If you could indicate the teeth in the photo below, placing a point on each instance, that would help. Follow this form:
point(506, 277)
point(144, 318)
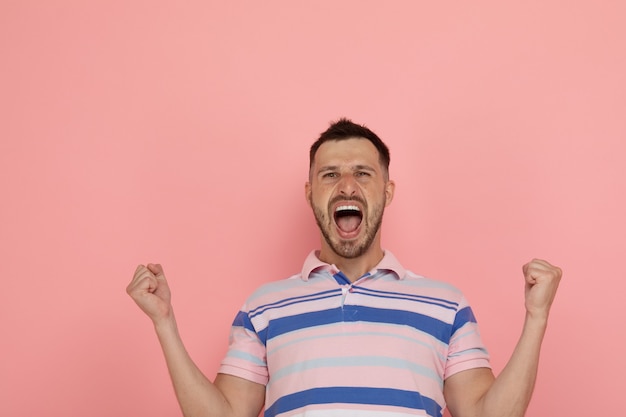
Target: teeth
point(342, 208)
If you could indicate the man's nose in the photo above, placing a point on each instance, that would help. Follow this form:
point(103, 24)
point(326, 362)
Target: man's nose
point(347, 185)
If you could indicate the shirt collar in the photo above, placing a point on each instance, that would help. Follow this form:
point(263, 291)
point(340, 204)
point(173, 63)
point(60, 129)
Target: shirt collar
point(389, 262)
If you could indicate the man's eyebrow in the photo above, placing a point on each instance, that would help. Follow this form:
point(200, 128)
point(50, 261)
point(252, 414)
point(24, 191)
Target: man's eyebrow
point(328, 168)
point(363, 168)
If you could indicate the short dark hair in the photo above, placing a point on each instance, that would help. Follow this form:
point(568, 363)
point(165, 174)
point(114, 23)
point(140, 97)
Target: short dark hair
point(345, 129)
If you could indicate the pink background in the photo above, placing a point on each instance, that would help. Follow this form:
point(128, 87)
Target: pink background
point(177, 132)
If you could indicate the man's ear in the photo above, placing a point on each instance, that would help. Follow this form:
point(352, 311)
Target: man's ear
point(307, 193)
point(390, 188)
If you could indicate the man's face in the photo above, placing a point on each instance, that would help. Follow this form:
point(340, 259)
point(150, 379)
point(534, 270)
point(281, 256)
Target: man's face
point(348, 192)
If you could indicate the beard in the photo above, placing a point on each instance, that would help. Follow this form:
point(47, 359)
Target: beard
point(355, 247)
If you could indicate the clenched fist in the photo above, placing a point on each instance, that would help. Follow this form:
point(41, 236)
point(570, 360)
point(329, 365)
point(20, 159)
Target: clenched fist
point(542, 281)
point(150, 291)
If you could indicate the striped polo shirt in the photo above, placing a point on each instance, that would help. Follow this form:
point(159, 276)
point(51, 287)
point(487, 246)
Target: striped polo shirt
point(379, 347)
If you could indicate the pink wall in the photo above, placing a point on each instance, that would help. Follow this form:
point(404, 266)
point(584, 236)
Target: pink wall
point(178, 132)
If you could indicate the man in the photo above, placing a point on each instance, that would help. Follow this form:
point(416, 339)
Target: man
point(354, 334)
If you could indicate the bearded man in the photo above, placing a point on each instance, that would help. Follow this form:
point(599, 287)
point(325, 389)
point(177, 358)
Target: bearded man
point(354, 333)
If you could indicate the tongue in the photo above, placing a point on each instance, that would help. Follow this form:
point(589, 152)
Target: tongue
point(348, 223)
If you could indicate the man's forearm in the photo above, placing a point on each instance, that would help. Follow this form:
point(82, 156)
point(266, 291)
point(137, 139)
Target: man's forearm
point(511, 392)
point(196, 395)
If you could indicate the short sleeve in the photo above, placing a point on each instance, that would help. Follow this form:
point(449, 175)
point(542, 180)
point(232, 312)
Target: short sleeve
point(466, 349)
point(246, 356)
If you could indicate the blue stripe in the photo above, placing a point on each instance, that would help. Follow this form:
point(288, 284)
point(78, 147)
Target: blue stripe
point(341, 278)
point(349, 313)
point(288, 324)
point(355, 395)
point(243, 320)
point(463, 316)
point(410, 297)
point(295, 300)
point(441, 300)
point(436, 328)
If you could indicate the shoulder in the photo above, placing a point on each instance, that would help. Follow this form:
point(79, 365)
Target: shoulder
point(290, 288)
point(431, 287)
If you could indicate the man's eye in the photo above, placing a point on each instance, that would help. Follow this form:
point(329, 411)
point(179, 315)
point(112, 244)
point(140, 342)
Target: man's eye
point(362, 174)
point(330, 175)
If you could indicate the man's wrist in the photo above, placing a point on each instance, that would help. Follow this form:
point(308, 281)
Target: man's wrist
point(536, 319)
point(165, 324)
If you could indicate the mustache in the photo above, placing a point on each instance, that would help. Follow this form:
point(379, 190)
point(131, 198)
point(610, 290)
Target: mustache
point(340, 198)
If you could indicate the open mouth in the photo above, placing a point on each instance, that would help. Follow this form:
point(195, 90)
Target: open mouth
point(348, 218)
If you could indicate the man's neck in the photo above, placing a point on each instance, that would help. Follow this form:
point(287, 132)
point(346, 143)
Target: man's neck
point(353, 268)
